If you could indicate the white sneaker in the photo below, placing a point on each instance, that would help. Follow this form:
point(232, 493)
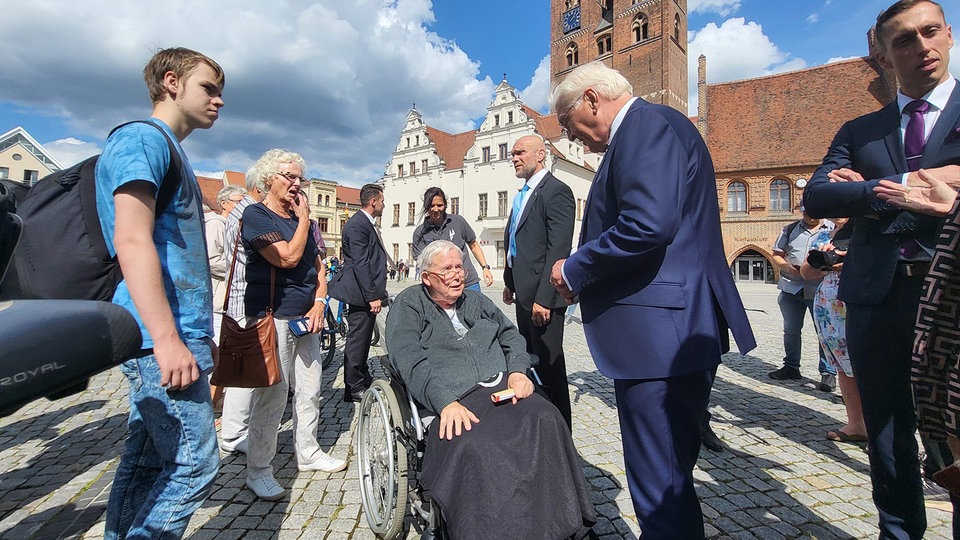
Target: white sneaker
point(236, 447)
point(325, 463)
point(266, 487)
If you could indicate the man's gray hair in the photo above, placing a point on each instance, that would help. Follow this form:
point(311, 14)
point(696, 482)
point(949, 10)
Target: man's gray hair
point(228, 192)
point(267, 166)
point(607, 82)
point(433, 250)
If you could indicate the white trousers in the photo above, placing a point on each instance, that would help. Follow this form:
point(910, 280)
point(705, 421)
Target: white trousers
point(300, 366)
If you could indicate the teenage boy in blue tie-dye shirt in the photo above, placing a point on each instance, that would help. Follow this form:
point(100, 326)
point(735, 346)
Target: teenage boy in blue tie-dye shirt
point(170, 459)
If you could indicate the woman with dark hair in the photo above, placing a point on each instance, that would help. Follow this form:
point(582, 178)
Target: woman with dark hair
point(439, 225)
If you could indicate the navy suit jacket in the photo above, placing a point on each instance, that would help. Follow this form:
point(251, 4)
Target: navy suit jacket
point(656, 294)
point(363, 278)
point(544, 236)
point(872, 146)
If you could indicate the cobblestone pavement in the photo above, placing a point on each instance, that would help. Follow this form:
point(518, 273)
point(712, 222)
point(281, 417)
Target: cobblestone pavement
point(778, 478)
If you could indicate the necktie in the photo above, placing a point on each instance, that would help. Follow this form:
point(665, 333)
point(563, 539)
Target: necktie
point(515, 219)
point(913, 139)
point(913, 142)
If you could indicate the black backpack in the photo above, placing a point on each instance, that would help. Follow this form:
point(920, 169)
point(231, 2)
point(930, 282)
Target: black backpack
point(62, 253)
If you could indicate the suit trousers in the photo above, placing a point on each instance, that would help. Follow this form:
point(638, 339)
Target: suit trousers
point(880, 341)
point(547, 343)
point(356, 373)
point(660, 422)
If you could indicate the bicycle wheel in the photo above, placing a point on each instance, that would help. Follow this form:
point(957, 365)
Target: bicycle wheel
point(331, 341)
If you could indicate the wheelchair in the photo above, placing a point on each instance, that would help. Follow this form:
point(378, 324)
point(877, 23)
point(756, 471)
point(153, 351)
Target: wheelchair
point(389, 448)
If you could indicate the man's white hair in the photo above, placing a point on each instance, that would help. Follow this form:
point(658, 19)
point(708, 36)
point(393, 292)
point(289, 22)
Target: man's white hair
point(433, 250)
point(607, 82)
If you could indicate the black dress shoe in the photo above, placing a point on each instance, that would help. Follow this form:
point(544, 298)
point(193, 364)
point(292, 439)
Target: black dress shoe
point(710, 440)
point(352, 397)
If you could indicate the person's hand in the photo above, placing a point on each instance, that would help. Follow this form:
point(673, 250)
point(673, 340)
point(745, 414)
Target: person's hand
point(948, 174)
point(507, 296)
point(487, 277)
point(540, 315)
point(178, 367)
point(933, 197)
point(301, 207)
point(315, 315)
point(844, 175)
point(454, 419)
point(375, 306)
point(556, 279)
point(521, 385)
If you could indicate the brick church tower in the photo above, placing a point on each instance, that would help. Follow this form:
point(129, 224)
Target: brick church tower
point(646, 40)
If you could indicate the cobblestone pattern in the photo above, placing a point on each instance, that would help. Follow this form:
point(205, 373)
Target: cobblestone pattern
point(778, 478)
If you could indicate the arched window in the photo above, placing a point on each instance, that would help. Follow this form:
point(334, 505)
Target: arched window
point(327, 203)
point(736, 198)
point(603, 44)
point(640, 28)
point(676, 28)
point(573, 55)
point(780, 196)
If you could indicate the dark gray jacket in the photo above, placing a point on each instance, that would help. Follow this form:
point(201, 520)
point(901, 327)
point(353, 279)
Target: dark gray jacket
point(437, 365)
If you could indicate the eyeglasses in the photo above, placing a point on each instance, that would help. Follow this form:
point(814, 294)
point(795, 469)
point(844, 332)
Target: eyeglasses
point(291, 177)
point(563, 118)
point(449, 275)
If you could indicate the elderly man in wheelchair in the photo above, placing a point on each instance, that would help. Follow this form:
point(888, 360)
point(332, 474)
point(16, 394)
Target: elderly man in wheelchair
point(505, 469)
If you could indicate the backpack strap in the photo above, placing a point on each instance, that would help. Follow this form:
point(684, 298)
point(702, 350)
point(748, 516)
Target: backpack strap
point(171, 180)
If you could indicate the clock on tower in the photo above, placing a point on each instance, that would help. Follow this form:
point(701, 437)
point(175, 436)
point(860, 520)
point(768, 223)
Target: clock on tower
point(571, 20)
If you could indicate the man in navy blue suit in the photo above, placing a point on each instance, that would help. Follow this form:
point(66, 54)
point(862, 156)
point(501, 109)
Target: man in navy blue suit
point(883, 272)
point(656, 294)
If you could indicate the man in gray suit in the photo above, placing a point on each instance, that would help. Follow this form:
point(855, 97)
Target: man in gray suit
point(539, 233)
point(363, 286)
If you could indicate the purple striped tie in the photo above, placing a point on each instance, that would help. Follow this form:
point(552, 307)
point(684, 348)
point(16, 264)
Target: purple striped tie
point(913, 139)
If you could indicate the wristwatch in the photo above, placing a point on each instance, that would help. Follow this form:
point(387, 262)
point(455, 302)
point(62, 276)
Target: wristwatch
point(485, 267)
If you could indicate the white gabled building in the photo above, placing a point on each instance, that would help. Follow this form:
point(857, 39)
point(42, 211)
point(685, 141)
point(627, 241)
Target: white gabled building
point(474, 170)
point(23, 159)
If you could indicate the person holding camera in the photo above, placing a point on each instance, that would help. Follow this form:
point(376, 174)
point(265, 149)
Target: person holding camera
point(830, 315)
point(796, 295)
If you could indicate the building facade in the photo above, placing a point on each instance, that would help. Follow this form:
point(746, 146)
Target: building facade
point(23, 159)
point(475, 171)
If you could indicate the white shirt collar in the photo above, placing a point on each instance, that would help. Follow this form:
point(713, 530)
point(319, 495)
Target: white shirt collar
point(937, 97)
point(534, 180)
point(368, 216)
point(617, 120)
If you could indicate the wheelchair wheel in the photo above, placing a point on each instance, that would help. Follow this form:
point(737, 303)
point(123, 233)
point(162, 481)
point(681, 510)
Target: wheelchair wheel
point(382, 461)
point(332, 340)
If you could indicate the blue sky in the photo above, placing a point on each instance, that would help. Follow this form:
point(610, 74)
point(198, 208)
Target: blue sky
point(334, 80)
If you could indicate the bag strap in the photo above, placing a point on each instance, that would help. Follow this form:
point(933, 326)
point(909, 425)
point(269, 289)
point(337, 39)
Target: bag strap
point(171, 180)
point(233, 265)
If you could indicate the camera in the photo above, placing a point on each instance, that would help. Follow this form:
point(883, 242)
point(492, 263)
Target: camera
point(824, 260)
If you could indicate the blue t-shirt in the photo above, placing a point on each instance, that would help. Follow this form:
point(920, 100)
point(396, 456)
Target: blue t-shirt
point(138, 152)
point(295, 287)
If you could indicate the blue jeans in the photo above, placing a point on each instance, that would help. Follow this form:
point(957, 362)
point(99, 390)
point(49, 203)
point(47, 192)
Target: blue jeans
point(474, 287)
point(794, 308)
point(170, 457)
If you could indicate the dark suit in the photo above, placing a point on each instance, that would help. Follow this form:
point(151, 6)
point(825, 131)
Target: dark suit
point(544, 235)
point(657, 299)
point(362, 280)
point(882, 301)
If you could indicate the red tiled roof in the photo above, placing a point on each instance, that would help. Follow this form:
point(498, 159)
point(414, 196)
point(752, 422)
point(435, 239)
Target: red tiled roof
point(348, 195)
point(209, 187)
point(451, 148)
point(235, 178)
point(788, 119)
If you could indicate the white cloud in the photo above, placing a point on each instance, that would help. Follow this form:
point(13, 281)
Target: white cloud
point(536, 94)
point(70, 151)
point(735, 50)
point(836, 59)
point(721, 7)
point(332, 80)
point(955, 61)
point(813, 18)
